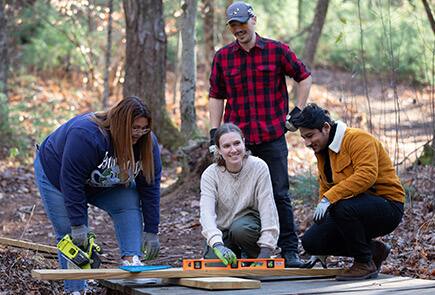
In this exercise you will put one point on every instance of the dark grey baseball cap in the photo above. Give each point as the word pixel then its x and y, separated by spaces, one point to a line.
pixel 239 11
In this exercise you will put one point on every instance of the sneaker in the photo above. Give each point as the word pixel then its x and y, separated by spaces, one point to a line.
pixel 314 259
pixel 359 271
pixel 380 252
pixel 135 261
pixel 292 260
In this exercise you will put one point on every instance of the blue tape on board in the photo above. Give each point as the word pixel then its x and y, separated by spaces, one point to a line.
pixel 141 268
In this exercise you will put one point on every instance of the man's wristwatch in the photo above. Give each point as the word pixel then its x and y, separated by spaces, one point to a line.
pixel 212 147
pixel 288 122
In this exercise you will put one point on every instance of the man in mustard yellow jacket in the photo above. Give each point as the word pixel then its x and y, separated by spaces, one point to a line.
pixel 360 195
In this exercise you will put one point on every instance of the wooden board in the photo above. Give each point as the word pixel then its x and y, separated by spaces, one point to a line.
pixel 78 274
pixel 384 285
pixel 28 245
pixel 216 283
pixel 125 286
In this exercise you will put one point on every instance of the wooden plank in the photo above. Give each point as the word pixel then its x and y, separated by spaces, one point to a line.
pixel 28 245
pixel 384 285
pixel 125 286
pixel 79 274
pixel 216 283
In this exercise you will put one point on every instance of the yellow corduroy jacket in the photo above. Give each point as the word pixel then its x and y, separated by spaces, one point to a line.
pixel 359 164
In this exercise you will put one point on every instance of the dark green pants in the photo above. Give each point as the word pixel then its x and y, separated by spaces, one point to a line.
pixel 241 237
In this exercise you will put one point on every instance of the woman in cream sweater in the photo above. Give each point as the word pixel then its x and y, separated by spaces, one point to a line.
pixel 238 213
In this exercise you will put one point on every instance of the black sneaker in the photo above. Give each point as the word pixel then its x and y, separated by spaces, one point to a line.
pixel 292 260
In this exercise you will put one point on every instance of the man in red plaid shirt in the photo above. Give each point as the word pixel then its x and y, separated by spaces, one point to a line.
pixel 249 74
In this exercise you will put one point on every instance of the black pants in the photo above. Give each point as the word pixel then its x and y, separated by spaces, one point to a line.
pixel 275 153
pixel 351 224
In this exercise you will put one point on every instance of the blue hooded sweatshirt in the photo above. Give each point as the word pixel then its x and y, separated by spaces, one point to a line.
pixel 78 159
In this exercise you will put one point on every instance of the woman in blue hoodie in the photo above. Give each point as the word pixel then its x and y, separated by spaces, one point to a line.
pixel 111 160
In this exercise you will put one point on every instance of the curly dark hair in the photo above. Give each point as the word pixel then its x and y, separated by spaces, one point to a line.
pixel 312 117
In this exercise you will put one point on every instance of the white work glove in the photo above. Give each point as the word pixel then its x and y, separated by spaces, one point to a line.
pixel 79 235
pixel 151 246
pixel 212 147
pixel 321 209
pixel 288 120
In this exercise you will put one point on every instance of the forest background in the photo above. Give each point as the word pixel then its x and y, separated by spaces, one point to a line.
pixel 373 66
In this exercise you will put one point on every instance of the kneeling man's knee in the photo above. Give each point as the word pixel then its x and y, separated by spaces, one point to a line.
pixel 309 242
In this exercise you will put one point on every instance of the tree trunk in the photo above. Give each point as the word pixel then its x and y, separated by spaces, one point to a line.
pixel 108 55
pixel 145 63
pixel 432 99
pixel 4 61
pixel 91 18
pixel 188 72
pixel 300 15
pixel 177 71
pixel 177 67
pixel 90 7
pixel 363 61
pixel 315 32
pixel 4 65
pixel 208 18
pixel 227 37
pixel 429 15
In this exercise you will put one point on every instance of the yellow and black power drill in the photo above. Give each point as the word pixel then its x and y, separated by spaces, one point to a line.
pixel 82 258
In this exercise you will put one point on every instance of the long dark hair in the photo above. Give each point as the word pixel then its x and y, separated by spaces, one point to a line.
pixel 118 121
pixel 224 129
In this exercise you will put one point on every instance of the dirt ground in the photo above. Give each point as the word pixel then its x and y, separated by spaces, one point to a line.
pixel 22 215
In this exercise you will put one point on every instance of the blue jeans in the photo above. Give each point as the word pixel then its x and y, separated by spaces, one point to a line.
pixel 351 224
pixel 122 204
pixel 275 154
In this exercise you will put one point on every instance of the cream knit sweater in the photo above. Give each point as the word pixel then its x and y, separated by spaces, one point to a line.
pixel 226 196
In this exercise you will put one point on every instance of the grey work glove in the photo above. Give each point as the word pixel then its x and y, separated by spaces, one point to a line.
pixel 265 252
pixel 151 246
pixel 321 209
pixel 79 235
pixel 225 254
pixel 288 120
pixel 314 259
pixel 212 147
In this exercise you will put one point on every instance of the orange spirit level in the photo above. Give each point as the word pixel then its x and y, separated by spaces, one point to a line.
pixel 247 263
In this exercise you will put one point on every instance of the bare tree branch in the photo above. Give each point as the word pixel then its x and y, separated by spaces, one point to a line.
pixel 301 33
pixel 429 15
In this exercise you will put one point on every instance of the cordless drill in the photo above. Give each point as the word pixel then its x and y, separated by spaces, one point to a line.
pixel 82 258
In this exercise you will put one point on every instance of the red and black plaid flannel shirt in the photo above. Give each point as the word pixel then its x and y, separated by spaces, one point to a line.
pixel 255 88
